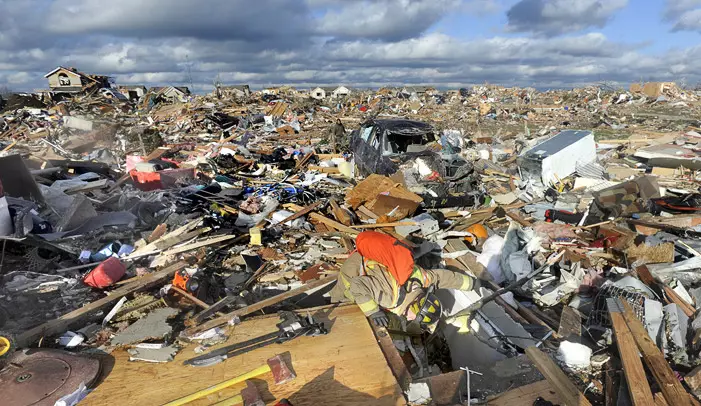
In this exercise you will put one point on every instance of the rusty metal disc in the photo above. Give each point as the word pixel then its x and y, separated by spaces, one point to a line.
pixel 41 377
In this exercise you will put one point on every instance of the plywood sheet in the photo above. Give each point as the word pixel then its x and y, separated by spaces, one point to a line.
pixel 526 395
pixel 345 367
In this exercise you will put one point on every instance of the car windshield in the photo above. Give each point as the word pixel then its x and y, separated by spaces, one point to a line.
pixel 399 143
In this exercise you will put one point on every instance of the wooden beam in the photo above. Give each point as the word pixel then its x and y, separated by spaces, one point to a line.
pixel 323 169
pixel 79 316
pixel 367 212
pixel 191 298
pixel 394 359
pixel 673 391
pixel 303 212
pixel 671 296
pixel 381 225
pixel 639 390
pixel 261 305
pixel 340 214
pixel 559 382
pixel 610 389
pixel 517 218
pixel 190 247
pixel 333 224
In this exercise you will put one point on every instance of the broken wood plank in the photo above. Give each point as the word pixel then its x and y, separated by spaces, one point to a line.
pixel 155 154
pixel 154 246
pixel 638 388
pixel 191 298
pixel 304 161
pixel 381 225
pixel 671 388
pixel 340 214
pixel 262 304
pixel 671 296
pixel 367 212
pixel 323 169
pixel 205 314
pixel 333 224
pixel 190 247
pixel 394 359
pixel 517 218
pixel 79 316
pixel 559 382
pixel 610 390
pixel 347 243
pixel 303 212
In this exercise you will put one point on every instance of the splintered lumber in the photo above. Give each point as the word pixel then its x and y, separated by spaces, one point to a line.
pixel 381 225
pixel 559 382
pixel 341 215
pixel 673 391
pixel 191 298
pixel 302 212
pixel 78 316
pixel 262 304
pixel 367 212
pixel 394 359
pixel 333 224
pixel 190 247
pixel 671 296
pixel 639 390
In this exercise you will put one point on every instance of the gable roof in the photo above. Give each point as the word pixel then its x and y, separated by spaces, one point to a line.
pixel 162 89
pixel 131 87
pixel 74 71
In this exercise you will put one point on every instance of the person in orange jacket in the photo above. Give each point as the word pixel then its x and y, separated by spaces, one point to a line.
pixel 381 276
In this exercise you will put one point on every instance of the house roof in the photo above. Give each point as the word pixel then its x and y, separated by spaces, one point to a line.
pixel 74 71
pixel 160 89
pixel 131 87
pixel 237 87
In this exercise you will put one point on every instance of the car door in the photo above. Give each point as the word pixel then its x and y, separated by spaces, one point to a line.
pixel 374 150
pixel 361 148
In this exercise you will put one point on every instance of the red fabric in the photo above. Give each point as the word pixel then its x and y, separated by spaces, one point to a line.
pixel 388 251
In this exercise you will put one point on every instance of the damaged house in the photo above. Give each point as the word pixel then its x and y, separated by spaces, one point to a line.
pixel 71 81
pixel 171 92
pixel 235 91
pixel 133 92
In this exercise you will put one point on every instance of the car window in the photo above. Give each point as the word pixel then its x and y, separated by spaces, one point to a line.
pixel 375 140
pixel 365 134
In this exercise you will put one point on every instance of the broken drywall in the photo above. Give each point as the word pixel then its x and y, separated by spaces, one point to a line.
pixel 154 325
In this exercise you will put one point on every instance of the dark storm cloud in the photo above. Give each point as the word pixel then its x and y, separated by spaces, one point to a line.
pixel 561 16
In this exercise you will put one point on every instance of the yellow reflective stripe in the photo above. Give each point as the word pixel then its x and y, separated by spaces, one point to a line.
pixel 466 283
pixel 368 307
pixel 345 281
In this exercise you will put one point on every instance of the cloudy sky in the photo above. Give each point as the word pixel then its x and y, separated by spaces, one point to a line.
pixel 449 43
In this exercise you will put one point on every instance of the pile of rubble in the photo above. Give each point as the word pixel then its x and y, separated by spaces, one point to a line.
pixel 153 225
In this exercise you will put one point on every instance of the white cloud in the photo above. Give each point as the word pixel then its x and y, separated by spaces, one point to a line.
pixel 356 42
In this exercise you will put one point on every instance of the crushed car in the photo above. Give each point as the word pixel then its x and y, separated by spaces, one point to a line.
pixel 441 176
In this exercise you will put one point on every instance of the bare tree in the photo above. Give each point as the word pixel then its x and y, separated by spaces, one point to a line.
pixel 5 92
